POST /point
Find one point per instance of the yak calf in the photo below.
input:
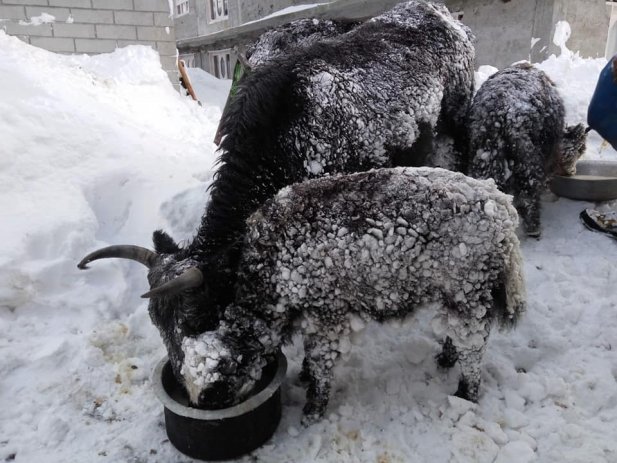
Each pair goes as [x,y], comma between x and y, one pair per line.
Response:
[518,137]
[327,255]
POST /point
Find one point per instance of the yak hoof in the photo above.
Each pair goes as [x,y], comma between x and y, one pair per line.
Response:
[448,355]
[534,234]
[464,392]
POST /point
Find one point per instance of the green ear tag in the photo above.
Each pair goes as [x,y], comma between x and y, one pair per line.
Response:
[240,70]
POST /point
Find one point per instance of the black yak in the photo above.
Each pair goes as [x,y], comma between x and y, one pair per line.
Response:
[372,97]
[518,137]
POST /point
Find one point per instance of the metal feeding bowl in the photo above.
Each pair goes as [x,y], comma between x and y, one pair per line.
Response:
[594,181]
[226,433]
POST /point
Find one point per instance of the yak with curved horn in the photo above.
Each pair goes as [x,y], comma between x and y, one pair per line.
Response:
[374,96]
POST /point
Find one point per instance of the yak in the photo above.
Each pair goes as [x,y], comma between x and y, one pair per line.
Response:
[372,97]
[518,137]
[327,255]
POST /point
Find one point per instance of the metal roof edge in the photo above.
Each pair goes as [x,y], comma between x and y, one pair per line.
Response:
[337,9]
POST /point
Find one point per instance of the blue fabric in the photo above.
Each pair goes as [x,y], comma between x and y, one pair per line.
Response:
[602,112]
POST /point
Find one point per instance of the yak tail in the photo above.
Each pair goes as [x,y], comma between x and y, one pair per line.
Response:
[510,295]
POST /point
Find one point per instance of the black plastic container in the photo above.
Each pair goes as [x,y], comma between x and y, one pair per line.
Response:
[226,433]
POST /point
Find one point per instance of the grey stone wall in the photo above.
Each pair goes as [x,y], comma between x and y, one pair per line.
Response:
[94,26]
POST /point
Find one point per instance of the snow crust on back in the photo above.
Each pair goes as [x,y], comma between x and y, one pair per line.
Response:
[423,223]
[387,103]
[288,37]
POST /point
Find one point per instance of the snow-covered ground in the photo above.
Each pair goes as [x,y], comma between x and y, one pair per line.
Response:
[101,150]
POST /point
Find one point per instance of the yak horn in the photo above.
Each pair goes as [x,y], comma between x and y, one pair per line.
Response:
[136,253]
[191,278]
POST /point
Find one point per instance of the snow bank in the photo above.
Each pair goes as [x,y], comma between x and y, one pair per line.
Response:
[208,88]
[576,80]
[94,149]
[101,150]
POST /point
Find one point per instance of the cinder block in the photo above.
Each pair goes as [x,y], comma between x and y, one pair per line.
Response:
[12,12]
[124,43]
[94,45]
[154,33]
[115,32]
[44,30]
[24,2]
[135,18]
[23,38]
[74,30]
[113,4]
[55,44]
[152,5]
[92,16]
[174,79]
[166,48]
[163,19]
[169,63]
[61,14]
[71,3]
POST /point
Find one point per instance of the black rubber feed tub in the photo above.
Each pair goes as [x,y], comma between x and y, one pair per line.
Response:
[226,433]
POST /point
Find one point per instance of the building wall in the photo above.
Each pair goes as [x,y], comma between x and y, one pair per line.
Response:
[507,30]
[186,25]
[510,31]
[589,20]
[503,30]
[94,26]
[611,43]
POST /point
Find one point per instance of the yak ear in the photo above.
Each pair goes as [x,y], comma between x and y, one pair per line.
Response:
[163,243]
[576,131]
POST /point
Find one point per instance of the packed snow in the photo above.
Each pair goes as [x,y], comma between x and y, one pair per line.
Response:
[102,150]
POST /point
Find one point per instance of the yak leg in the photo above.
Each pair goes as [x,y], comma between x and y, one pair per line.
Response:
[470,338]
[527,203]
[305,375]
[317,369]
[417,154]
[448,356]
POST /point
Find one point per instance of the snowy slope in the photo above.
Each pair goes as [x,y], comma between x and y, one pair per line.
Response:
[101,150]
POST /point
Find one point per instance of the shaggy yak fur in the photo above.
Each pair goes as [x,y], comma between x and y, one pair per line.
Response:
[371,97]
[327,255]
[290,37]
[517,136]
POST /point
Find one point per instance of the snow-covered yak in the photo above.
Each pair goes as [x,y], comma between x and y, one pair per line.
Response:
[368,98]
[292,36]
[325,256]
[518,137]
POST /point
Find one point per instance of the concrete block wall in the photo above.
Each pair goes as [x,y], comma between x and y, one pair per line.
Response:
[509,31]
[93,26]
[589,20]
